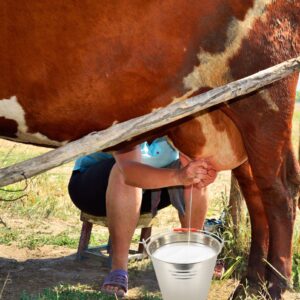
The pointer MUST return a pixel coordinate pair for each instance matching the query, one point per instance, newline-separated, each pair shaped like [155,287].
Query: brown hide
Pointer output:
[72,67]
[91,64]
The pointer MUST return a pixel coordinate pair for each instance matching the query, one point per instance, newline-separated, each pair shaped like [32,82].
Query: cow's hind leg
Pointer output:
[278,188]
[266,131]
[259,227]
[281,215]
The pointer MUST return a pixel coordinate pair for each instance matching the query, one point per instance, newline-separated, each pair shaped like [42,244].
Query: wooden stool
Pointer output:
[104,252]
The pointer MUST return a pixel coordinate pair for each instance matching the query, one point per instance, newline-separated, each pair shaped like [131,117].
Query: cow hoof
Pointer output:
[245,289]
[249,289]
[277,287]
[253,290]
[275,293]
[239,293]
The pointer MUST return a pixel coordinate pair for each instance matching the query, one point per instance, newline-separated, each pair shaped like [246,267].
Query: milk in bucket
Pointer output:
[184,263]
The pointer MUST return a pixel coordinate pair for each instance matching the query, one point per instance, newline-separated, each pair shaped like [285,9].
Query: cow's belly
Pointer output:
[211,135]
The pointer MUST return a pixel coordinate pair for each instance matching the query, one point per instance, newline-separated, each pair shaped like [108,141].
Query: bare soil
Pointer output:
[46,267]
[34,270]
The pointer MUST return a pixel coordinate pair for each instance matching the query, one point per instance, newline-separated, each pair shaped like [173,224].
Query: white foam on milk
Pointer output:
[184,253]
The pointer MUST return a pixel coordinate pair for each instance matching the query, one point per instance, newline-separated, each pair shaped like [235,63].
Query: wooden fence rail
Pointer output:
[121,132]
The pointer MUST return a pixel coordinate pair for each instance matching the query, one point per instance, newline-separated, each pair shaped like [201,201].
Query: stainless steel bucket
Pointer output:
[184,280]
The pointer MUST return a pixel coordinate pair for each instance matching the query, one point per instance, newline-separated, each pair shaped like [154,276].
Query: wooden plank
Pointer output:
[237,206]
[121,132]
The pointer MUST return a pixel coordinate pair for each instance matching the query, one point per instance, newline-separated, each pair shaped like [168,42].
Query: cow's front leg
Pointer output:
[259,228]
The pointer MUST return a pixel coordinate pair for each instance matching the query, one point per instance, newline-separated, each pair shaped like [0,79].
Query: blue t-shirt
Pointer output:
[158,154]
[84,162]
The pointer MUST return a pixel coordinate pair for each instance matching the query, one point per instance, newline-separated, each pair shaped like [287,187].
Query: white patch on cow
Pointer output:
[184,97]
[213,70]
[271,105]
[12,110]
[156,109]
[219,145]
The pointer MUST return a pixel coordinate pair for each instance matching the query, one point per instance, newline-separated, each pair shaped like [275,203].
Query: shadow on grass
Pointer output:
[66,278]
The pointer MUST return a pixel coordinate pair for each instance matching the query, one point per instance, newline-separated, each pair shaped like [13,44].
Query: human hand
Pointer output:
[198,172]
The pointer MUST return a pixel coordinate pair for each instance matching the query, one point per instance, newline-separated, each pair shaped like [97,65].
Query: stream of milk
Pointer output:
[185,252]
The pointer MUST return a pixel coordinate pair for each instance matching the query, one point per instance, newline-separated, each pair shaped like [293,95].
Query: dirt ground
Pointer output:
[46,267]
[34,270]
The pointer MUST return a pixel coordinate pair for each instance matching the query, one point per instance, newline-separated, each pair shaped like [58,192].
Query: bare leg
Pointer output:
[198,210]
[123,210]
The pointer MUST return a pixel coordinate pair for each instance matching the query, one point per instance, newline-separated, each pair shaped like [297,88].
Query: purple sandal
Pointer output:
[117,278]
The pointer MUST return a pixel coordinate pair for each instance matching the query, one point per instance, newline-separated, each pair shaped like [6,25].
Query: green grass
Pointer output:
[62,239]
[296,272]
[45,196]
[296,256]
[32,240]
[66,292]
[8,236]
[236,249]
[12,153]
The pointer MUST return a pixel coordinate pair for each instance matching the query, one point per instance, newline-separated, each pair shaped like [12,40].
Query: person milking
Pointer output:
[117,186]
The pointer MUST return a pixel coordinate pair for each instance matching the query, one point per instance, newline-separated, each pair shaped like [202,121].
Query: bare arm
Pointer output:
[147,177]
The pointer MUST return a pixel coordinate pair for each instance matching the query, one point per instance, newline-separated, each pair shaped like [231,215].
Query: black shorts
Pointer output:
[88,190]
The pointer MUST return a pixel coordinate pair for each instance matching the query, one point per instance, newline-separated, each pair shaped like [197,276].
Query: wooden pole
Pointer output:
[236,205]
[121,132]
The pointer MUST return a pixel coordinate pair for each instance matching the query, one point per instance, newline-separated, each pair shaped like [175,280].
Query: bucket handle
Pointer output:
[219,238]
[216,236]
[144,243]
[185,229]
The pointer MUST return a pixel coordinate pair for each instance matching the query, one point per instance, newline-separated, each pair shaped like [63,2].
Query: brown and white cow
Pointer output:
[75,66]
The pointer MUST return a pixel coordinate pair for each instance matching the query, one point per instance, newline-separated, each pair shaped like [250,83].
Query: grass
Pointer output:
[76,293]
[8,236]
[49,201]
[237,247]
[296,256]
[66,292]
[33,239]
